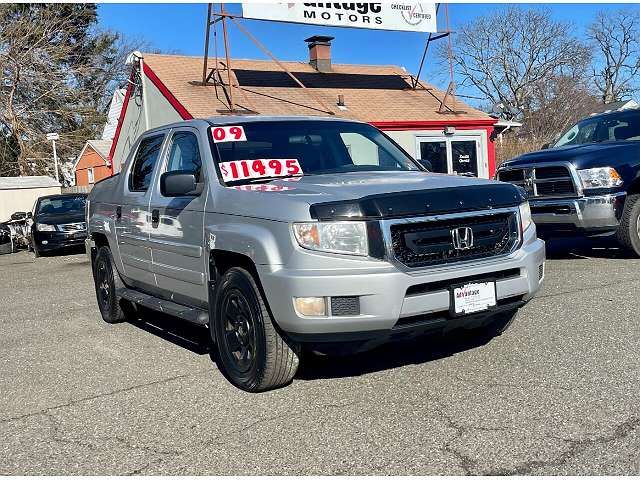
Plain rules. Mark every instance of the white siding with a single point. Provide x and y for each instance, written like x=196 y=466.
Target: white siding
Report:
x=160 y=111
x=22 y=199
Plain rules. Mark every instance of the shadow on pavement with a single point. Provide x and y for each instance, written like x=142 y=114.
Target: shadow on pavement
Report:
x=313 y=366
x=419 y=350
x=181 y=333
x=584 y=248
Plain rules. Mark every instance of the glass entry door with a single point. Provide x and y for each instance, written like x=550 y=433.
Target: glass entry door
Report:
x=435 y=151
x=464 y=157
x=458 y=155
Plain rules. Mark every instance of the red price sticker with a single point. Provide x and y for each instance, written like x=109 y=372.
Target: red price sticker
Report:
x=262 y=188
x=259 y=168
x=233 y=133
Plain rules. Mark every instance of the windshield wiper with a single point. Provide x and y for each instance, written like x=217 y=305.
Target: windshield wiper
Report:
x=247 y=181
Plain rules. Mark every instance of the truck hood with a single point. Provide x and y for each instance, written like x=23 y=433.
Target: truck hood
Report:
x=588 y=155
x=366 y=194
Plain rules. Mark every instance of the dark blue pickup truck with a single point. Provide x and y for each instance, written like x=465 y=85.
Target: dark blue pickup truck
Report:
x=588 y=182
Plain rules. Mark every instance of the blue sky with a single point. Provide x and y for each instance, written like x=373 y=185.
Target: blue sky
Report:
x=179 y=28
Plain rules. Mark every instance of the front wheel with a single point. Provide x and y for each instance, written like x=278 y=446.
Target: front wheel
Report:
x=252 y=354
x=628 y=233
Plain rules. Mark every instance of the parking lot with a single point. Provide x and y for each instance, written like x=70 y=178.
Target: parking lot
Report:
x=557 y=394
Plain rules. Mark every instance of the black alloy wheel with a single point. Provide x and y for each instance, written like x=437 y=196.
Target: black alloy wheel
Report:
x=107 y=281
x=251 y=352
x=239 y=331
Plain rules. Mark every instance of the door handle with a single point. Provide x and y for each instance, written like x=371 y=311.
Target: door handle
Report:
x=155 y=217
x=118 y=212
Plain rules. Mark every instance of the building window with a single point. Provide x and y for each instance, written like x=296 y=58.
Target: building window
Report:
x=90 y=175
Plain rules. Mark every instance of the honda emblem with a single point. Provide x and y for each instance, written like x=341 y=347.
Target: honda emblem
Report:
x=462 y=238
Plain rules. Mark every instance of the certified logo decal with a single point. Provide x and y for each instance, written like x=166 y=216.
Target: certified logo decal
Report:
x=412 y=13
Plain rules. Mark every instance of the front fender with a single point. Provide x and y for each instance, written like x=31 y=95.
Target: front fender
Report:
x=265 y=242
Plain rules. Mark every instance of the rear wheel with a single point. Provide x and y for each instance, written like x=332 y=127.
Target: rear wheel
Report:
x=628 y=233
x=252 y=354
x=107 y=281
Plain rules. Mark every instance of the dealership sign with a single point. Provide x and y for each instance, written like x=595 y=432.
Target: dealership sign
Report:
x=405 y=16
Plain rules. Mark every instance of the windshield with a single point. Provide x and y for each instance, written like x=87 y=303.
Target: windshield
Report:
x=289 y=148
x=56 y=205
x=621 y=126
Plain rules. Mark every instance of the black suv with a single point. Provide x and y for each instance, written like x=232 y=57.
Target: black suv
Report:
x=588 y=182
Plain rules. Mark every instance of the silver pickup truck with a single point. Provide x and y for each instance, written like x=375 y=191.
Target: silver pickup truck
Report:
x=279 y=233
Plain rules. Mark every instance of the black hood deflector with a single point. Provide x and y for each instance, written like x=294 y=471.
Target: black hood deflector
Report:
x=436 y=201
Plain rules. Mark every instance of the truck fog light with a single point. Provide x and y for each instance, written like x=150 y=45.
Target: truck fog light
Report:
x=311 y=306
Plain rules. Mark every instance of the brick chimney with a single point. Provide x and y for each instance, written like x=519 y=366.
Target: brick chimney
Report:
x=320 y=52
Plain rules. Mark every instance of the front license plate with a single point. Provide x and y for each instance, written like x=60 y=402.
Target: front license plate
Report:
x=474 y=297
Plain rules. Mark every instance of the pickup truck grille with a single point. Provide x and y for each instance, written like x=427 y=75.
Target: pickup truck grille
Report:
x=430 y=243
x=551 y=181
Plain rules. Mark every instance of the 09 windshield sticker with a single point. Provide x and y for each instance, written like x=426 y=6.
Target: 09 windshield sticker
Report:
x=231 y=133
x=259 y=168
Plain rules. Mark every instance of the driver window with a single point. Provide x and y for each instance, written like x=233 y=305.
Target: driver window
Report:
x=184 y=154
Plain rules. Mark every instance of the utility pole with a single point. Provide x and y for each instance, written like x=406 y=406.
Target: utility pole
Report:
x=53 y=137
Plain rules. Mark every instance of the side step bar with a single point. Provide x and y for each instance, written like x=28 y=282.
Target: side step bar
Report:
x=190 y=314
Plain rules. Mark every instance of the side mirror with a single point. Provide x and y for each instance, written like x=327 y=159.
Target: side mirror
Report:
x=426 y=164
x=29 y=215
x=545 y=146
x=179 y=183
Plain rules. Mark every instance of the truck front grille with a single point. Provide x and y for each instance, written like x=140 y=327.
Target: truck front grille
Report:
x=433 y=242
x=543 y=181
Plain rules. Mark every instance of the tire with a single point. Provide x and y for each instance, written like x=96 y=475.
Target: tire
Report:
x=107 y=281
x=252 y=355
x=628 y=233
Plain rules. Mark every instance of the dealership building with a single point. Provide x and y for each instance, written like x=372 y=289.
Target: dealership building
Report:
x=426 y=122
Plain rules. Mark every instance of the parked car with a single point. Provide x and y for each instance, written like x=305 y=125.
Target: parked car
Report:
x=6 y=239
x=588 y=183
x=280 y=233
x=58 y=222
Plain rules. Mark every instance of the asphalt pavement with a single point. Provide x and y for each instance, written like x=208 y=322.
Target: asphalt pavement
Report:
x=558 y=393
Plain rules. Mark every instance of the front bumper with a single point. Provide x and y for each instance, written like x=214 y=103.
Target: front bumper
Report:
x=49 y=241
x=596 y=214
x=391 y=298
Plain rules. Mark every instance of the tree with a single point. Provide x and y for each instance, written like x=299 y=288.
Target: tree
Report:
x=616 y=38
x=509 y=53
x=556 y=104
x=58 y=73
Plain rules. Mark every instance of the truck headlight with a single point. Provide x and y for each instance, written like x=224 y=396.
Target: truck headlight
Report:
x=43 y=227
x=603 y=177
x=525 y=216
x=333 y=237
